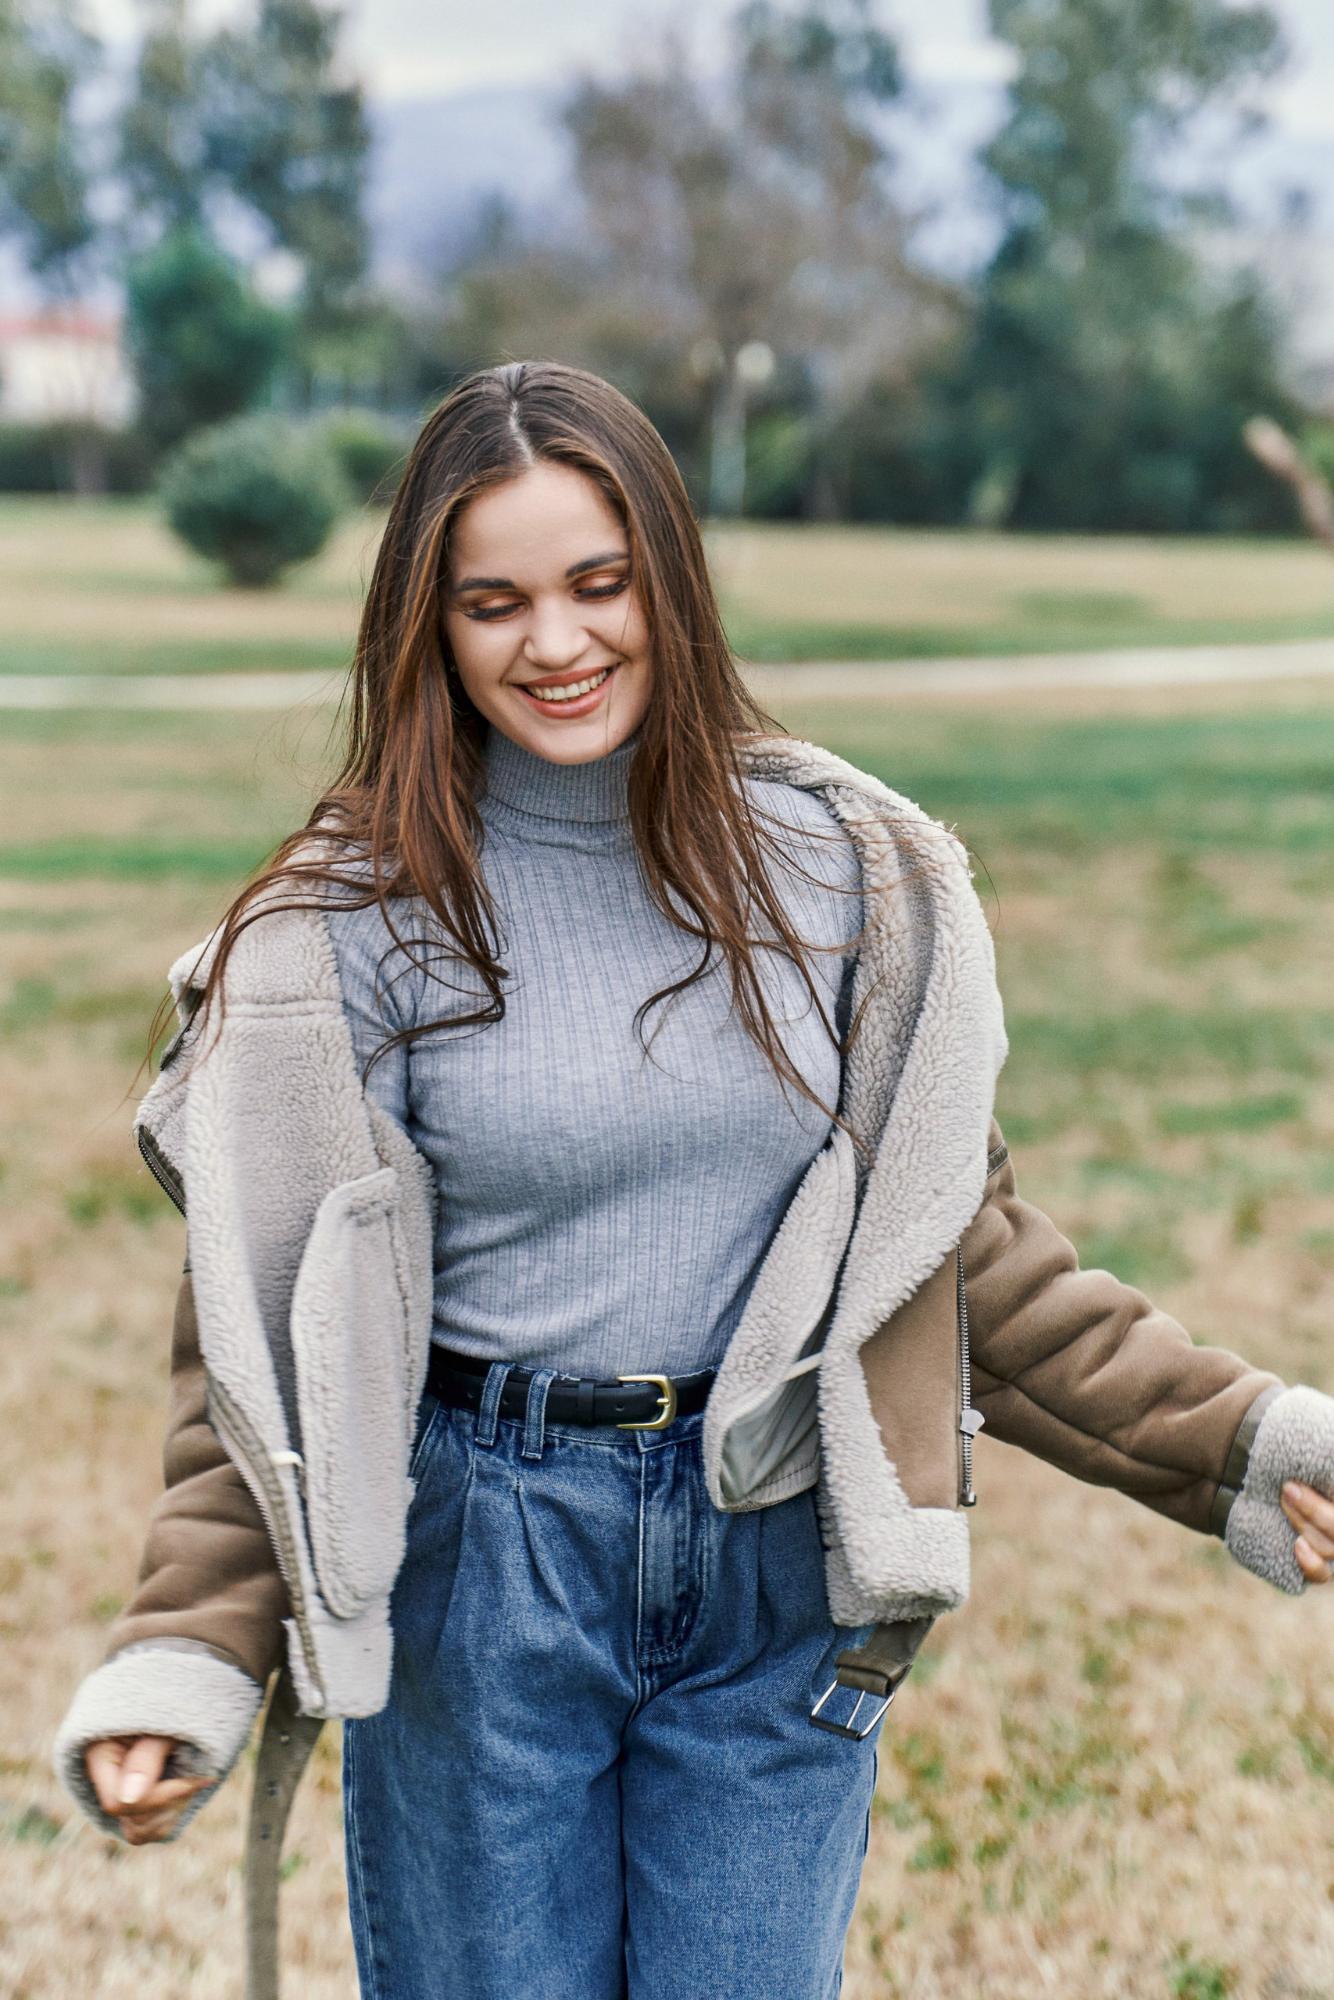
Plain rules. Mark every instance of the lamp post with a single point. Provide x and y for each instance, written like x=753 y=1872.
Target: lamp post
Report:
x=750 y=366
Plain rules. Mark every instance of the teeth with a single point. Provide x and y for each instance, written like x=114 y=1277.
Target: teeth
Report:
x=569 y=693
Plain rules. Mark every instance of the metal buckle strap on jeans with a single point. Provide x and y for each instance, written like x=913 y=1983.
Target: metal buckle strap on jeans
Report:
x=285 y=1744
x=879 y=1667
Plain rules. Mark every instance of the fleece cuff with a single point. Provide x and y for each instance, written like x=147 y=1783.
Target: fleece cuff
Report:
x=158 y=1687
x=1295 y=1440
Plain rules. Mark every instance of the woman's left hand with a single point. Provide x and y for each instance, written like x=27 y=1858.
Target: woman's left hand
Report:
x=1312 y=1515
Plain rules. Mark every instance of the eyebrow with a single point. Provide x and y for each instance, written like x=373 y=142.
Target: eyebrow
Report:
x=575 y=569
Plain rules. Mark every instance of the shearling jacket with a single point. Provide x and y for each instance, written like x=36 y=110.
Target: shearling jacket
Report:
x=909 y=1296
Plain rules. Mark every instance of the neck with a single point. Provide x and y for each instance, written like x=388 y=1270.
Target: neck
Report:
x=593 y=792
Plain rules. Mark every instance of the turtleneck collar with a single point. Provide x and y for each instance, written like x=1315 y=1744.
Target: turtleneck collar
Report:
x=590 y=794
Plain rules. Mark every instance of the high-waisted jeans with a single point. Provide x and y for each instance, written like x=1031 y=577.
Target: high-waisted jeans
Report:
x=595 y=1777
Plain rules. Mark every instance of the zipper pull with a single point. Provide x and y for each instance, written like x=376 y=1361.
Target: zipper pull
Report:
x=292 y=1458
x=971 y=1422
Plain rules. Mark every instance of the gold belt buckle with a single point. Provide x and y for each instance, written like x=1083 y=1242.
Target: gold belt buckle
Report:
x=667 y=1397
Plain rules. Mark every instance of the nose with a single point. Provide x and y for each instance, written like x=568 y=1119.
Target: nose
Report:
x=555 y=638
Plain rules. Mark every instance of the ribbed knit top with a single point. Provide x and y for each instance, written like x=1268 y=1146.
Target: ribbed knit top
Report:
x=601 y=1210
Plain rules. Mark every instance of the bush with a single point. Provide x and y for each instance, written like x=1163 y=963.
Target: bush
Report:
x=256 y=494
x=44 y=457
x=370 y=449
x=202 y=344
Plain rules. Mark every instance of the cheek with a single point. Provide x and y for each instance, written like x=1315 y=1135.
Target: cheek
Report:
x=625 y=630
x=480 y=650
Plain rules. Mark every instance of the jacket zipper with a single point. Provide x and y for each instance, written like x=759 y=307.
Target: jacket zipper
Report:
x=238 y=1434
x=166 y=1177
x=236 y=1431
x=970 y=1420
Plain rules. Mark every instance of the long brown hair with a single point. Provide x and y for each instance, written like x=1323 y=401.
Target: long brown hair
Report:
x=403 y=802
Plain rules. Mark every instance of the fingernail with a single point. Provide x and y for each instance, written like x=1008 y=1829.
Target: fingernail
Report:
x=133 y=1787
x=1293 y=1490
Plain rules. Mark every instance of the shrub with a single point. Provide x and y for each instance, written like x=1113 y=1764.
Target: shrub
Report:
x=256 y=494
x=45 y=457
x=370 y=449
x=202 y=344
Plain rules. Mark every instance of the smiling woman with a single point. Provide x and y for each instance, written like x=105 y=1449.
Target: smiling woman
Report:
x=581 y=1419
x=563 y=638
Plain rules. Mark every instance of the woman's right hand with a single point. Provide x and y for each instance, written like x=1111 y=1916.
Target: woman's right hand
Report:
x=126 y=1774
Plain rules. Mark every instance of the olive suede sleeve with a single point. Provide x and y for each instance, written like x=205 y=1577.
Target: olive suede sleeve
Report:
x=1083 y=1370
x=190 y=1655
x=207 y=1572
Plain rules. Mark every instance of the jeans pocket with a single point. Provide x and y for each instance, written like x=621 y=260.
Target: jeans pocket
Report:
x=430 y=1411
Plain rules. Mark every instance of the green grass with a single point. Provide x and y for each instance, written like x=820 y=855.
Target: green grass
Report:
x=227 y=861
x=1246 y=1114
x=1191 y=784
x=771 y=641
x=29 y=654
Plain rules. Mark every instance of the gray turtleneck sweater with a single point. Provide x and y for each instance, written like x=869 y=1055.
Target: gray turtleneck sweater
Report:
x=601 y=1211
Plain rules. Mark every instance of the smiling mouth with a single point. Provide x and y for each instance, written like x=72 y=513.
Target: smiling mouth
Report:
x=553 y=696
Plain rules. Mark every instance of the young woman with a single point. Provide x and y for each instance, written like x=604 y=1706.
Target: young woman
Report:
x=685 y=1420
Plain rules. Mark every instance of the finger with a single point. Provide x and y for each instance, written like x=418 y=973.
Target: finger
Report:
x=1322 y=1543
x=103 y=1760
x=168 y=1792
x=1317 y=1510
x=139 y=1832
x=1298 y=1513
x=1314 y=1566
x=142 y=1767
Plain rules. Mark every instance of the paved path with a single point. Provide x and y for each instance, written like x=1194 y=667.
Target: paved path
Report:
x=1163 y=666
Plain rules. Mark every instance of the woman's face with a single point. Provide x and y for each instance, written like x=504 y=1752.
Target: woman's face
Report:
x=539 y=597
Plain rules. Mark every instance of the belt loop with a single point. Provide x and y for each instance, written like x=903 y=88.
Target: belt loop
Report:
x=535 y=1413
x=492 y=1389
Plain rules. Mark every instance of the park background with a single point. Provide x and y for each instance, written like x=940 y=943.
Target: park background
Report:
x=956 y=328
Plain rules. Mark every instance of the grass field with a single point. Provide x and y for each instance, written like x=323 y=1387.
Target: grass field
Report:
x=1111 y=1775
x=103 y=588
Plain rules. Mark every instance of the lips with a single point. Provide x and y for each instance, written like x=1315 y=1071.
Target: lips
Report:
x=565 y=679
x=572 y=706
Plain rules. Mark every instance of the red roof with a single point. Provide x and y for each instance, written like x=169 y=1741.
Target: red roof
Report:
x=57 y=324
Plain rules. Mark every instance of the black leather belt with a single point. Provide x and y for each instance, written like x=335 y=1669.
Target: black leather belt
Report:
x=631 y=1402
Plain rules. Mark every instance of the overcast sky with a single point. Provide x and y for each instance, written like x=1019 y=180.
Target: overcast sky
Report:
x=419 y=48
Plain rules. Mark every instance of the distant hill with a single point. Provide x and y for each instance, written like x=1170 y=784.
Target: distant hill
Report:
x=434 y=156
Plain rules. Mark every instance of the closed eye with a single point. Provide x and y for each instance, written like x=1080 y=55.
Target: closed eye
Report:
x=489 y=613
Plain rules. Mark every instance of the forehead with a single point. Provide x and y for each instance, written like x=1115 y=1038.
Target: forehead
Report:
x=534 y=524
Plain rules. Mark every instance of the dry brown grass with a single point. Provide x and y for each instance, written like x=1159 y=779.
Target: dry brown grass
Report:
x=105 y=587
x=1112 y=1774
x=916 y=577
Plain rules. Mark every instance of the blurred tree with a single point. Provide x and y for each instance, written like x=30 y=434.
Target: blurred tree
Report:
x=1109 y=374
x=255 y=116
x=290 y=139
x=741 y=225
x=203 y=346
x=161 y=140
x=46 y=52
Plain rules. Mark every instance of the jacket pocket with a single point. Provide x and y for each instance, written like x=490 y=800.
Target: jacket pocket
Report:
x=348 y=1327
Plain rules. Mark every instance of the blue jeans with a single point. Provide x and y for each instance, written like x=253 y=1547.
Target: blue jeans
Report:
x=595 y=1777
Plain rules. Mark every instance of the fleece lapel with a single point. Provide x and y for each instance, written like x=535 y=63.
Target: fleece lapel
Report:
x=920 y=1086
